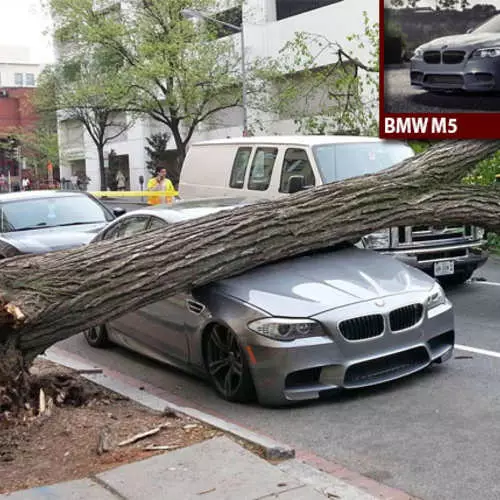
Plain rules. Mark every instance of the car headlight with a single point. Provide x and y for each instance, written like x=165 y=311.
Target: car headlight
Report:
x=487 y=52
x=418 y=54
x=436 y=297
x=379 y=239
x=286 y=328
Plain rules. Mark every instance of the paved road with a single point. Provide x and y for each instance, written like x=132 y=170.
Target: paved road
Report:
x=401 y=97
x=435 y=435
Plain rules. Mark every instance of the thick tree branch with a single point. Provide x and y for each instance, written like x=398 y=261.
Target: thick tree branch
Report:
x=47 y=298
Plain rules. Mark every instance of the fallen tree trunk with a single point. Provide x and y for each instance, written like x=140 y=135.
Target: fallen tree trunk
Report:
x=47 y=298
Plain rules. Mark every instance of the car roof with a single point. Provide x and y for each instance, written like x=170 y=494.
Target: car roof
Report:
x=300 y=140
x=191 y=209
x=34 y=195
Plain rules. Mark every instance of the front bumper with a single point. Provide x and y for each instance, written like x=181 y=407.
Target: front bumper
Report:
x=285 y=372
x=473 y=257
x=472 y=75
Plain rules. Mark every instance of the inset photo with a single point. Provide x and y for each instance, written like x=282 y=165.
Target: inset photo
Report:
x=441 y=56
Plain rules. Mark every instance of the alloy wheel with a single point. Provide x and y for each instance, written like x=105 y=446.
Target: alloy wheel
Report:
x=225 y=362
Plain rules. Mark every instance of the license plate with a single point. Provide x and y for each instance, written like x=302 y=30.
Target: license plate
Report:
x=444 y=268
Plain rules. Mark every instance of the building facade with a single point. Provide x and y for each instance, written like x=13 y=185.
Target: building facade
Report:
x=18 y=76
x=268 y=26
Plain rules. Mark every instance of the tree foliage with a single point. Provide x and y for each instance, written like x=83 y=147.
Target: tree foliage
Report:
x=160 y=157
x=156 y=149
x=170 y=69
x=336 y=99
x=86 y=89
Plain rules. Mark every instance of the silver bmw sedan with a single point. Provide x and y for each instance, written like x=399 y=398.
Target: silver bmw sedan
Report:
x=468 y=62
x=289 y=331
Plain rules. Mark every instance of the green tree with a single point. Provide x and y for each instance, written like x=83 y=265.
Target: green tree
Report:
x=170 y=69
x=405 y=3
x=339 y=98
x=87 y=90
x=447 y=4
x=159 y=156
x=156 y=150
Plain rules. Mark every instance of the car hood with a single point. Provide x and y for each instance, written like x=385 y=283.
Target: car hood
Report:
x=52 y=238
x=469 y=41
x=309 y=285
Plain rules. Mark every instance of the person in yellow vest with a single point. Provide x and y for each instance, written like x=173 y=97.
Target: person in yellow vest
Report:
x=161 y=184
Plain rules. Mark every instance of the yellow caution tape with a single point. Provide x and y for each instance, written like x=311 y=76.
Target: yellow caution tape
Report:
x=126 y=194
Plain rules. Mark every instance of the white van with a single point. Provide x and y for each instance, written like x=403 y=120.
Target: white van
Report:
x=271 y=167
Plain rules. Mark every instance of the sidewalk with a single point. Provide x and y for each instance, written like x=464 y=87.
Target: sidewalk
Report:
x=217 y=469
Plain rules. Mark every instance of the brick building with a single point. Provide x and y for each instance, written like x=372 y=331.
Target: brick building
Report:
x=17 y=82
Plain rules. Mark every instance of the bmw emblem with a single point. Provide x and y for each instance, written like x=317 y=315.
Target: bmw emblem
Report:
x=379 y=303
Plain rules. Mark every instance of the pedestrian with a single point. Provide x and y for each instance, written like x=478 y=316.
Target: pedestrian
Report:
x=159 y=183
x=25 y=183
x=120 y=181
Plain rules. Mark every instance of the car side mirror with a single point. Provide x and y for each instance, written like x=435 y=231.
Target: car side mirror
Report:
x=117 y=211
x=296 y=183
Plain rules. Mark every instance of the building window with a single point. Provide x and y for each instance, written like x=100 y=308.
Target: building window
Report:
x=288 y=8
x=29 y=79
x=18 y=79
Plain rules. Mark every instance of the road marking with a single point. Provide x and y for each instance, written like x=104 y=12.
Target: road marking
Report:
x=476 y=350
x=492 y=283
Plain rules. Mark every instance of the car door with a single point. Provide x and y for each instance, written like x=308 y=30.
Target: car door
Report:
x=129 y=324
x=161 y=324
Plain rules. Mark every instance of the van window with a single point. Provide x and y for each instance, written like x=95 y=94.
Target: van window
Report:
x=337 y=162
x=262 y=168
x=296 y=162
x=240 y=168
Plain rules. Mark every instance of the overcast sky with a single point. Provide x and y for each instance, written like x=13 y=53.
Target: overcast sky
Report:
x=22 y=22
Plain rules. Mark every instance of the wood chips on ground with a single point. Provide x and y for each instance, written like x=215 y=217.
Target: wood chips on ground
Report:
x=62 y=446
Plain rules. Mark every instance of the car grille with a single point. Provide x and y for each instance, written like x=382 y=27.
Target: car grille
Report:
x=432 y=57
x=386 y=368
x=433 y=234
x=364 y=327
x=453 y=56
x=405 y=317
x=449 y=80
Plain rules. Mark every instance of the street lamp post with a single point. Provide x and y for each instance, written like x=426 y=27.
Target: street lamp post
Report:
x=192 y=13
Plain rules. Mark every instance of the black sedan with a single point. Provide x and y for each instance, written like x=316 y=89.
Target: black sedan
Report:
x=44 y=221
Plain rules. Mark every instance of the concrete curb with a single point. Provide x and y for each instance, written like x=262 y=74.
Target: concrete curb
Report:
x=272 y=449
x=299 y=459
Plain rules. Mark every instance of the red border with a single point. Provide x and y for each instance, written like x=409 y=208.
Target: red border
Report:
x=481 y=125
x=381 y=66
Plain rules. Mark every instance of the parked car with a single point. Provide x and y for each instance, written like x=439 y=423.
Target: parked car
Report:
x=468 y=62
x=43 y=221
x=292 y=330
x=272 y=167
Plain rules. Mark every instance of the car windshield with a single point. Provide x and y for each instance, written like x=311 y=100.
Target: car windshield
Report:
x=490 y=26
x=22 y=215
x=342 y=161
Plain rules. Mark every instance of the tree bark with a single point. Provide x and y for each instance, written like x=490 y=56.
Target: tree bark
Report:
x=47 y=298
x=102 y=168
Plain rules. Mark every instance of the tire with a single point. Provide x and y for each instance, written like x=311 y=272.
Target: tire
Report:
x=456 y=279
x=97 y=336
x=227 y=365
